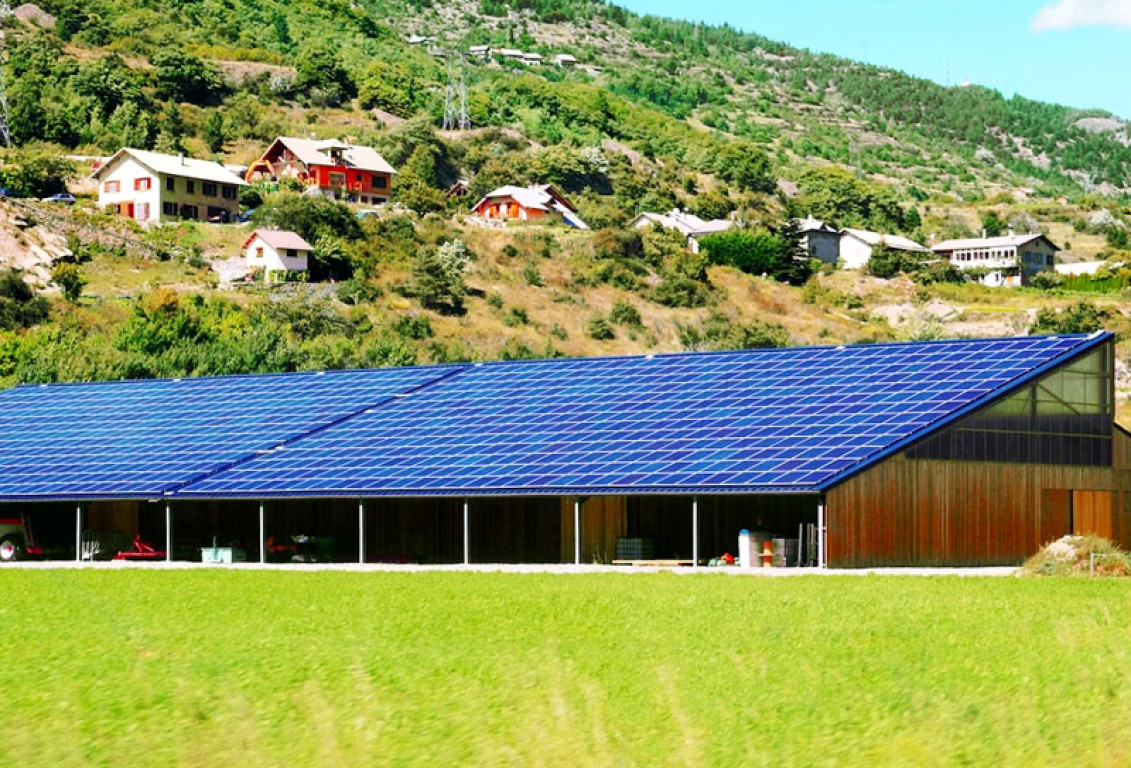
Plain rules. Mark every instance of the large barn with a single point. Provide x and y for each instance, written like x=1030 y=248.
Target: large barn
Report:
x=959 y=453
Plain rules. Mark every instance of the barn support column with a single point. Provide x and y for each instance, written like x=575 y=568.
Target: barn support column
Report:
x=466 y=535
x=78 y=532
x=361 y=531
x=262 y=537
x=694 y=531
x=821 y=563
x=577 y=531
x=168 y=532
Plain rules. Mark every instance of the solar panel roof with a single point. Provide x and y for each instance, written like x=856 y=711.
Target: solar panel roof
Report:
x=132 y=439
x=785 y=420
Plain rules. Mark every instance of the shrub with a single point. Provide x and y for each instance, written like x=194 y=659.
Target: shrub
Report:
x=69 y=279
x=516 y=316
x=1081 y=317
x=413 y=327
x=719 y=332
x=20 y=306
x=623 y=313
x=531 y=274
x=599 y=328
x=758 y=252
x=1046 y=280
x=675 y=290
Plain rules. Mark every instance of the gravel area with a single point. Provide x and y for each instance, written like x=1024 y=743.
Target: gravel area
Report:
x=509 y=568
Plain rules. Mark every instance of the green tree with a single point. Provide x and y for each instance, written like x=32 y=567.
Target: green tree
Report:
x=70 y=280
x=214 y=132
x=322 y=77
x=181 y=76
x=993 y=224
x=311 y=217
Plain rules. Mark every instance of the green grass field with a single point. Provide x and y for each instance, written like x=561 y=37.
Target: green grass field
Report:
x=439 y=669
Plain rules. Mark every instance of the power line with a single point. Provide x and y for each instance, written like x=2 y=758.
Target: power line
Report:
x=456 y=114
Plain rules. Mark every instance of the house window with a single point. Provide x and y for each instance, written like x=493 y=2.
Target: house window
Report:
x=189 y=212
x=141 y=212
x=169 y=209
x=380 y=182
x=142 y=185
x=170 y=184
x=259 y=252
x=190 y=186
x=112 y=186
x=228 y=192
x=208 y=189
x=359 y=178
x=292 y=253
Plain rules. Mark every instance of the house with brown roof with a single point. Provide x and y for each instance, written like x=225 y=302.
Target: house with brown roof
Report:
x=335 y=169
x=275 y=251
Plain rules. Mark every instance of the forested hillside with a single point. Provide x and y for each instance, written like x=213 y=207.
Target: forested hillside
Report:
x=658 y=114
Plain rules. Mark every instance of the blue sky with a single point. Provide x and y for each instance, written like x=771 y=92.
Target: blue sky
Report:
x=1074 y=52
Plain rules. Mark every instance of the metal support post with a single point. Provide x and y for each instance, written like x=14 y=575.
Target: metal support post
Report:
x=78 y=532
x=262 y=537
x=821 y=534
x=168 y=532
x=694 y=531
x=361 y=531
x=577 y=531
x=466 y=534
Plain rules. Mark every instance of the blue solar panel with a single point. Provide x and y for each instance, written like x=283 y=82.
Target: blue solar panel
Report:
x=784 y=420
x=136 y=439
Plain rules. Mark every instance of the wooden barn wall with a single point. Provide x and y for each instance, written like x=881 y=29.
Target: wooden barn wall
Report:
x=924 y=512
x=516 y=530
x=420 y=531
x=603 y=521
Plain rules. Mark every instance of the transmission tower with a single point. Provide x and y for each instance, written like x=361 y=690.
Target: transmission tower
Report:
x=455 y=94
x=5 y=124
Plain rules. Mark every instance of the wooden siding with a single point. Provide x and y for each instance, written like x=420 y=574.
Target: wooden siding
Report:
x=906 y=512
x=603 y=521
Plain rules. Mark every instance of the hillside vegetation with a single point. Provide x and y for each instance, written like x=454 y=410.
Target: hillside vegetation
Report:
x=663 y=114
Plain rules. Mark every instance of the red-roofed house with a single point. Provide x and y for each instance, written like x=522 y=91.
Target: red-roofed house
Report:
x=333 y=168
x=276 y=250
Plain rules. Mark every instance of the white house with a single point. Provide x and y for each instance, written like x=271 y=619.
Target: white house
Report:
x=1008 y=260
x=690 y=226
x=566 y=60
x=151 y=188
x=820 y=240
x=532 y=59
x=276 y=250
x=511 y=53
x=479 y=51
x=856 y=246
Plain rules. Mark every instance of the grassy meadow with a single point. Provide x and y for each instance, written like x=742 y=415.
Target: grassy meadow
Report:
x=265 y=668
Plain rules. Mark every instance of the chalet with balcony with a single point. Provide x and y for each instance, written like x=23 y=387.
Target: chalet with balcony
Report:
x=1010 y=260
x=332 y=168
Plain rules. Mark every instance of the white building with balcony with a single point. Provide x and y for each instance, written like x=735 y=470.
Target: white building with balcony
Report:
x=1010 y=260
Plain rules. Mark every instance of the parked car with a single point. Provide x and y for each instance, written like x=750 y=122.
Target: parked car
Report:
x=63 y=197
x=245 y=217
x=367 y=212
